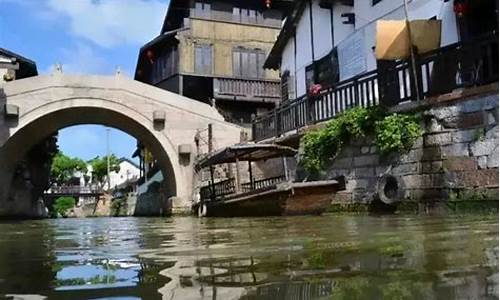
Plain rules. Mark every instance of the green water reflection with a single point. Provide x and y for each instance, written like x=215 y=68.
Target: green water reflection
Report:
x=327 y=257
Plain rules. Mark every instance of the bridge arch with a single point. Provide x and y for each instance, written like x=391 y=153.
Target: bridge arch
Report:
x=45 y=104
x=41 y=122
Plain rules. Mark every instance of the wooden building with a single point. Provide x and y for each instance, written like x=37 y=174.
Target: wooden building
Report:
x=214 y=52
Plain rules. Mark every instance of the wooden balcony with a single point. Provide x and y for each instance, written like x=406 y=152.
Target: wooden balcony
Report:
x=459 y=65
x=253 y=90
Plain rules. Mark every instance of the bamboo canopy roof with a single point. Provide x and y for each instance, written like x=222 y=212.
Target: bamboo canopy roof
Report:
x=245 y=152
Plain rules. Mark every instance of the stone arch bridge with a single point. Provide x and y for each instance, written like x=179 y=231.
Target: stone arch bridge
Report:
x=33 y=109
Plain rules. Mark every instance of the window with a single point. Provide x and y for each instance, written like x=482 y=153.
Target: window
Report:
x=324 y=71
x=375 y=2
x=203 y=59
x=287 y=86
x=248 y=63
x=165 y=65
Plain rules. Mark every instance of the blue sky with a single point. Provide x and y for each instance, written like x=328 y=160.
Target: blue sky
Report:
x=86 y=37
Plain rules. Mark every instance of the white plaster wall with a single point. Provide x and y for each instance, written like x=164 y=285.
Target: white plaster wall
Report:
x=366 y=17
x=340 y=30
x=288 y=62
x=304 y=50
x=322 y=30
x=127 y=171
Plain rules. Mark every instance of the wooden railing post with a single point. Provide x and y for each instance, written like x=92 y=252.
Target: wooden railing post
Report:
x=276 y=122
x=355 y=85
x=254 y=127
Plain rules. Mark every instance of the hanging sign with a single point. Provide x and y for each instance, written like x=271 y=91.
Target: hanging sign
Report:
x=352 y=56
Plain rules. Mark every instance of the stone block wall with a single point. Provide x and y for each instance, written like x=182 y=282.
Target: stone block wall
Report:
x=455 y=159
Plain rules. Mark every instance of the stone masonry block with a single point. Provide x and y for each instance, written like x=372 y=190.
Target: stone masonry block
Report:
x=484 y=147
x=437 y=139
x=492 y=133
x=460 y=149
x=493 y=159
x=343 y=163
x=432 y=167
x=366 y=160
x=364 y=172
x=365 y=150
x=465 y=136
x=423 y=181
x=482 y=162
x=459 y=164
x=404 y=169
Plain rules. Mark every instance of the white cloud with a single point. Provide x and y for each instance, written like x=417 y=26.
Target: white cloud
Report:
x=109 y=23
x=82 y=59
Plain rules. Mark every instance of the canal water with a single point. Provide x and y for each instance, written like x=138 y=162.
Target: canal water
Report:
x=325 y=257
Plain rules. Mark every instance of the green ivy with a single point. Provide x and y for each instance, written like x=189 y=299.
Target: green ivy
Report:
x=395 y=132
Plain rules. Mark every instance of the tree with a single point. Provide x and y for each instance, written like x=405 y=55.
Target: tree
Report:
x=64 y=168
x=100 y=168
x=62 y=205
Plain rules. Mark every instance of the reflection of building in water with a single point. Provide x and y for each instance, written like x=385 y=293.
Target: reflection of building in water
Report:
x=294 y=290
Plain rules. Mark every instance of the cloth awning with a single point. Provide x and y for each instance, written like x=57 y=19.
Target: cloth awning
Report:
x=245 y=152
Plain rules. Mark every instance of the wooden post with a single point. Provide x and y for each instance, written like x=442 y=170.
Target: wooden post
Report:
x=238 y=179
x=210 y=149
x=412 y=53
x=251 y=174
x=285 y=167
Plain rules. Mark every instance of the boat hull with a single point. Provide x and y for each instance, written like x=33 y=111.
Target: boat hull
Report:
x=289 y=199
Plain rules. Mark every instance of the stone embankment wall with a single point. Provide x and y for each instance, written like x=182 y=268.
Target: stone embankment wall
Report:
x=456 y=159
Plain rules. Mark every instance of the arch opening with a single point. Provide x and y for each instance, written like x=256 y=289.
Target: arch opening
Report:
x=37 y=129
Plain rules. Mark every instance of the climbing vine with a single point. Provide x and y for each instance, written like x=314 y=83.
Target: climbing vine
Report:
x=395 y=132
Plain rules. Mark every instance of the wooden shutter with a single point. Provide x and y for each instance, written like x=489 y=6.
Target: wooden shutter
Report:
x=236 y=62
x=252 y=62
x=198 y=59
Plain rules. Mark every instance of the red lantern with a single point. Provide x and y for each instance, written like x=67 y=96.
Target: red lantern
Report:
x=268 y=3
x=461 y=8
x=150 y=55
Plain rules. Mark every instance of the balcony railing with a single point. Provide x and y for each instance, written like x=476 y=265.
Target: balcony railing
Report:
x=247 y=89
x=228 y=187
x=459 y=65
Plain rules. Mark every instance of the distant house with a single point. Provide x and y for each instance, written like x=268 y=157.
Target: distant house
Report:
x=14 y=66
x=214 y=52
x=327 y=41
x=129 y=171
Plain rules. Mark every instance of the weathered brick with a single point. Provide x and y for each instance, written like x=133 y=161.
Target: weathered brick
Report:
x=365 y=150
x=423 y=181
x=459 y=149
x=437 y=139
x=432 y=167
x=431 y=153
x=373 y=149
x=484 y=147
x=404 y=169
x=364 y=172
x=342 y=197
x=476 y=178
x=382 y=170
x=471 y=120
x=366 y=160
x=459 y=164
x=353 y=184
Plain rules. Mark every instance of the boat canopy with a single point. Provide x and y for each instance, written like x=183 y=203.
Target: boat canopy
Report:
x=245 y=152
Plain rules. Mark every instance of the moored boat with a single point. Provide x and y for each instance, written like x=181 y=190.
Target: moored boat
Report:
x=276 y=196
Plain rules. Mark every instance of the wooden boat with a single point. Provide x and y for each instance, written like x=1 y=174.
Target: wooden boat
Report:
x=276 y=196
